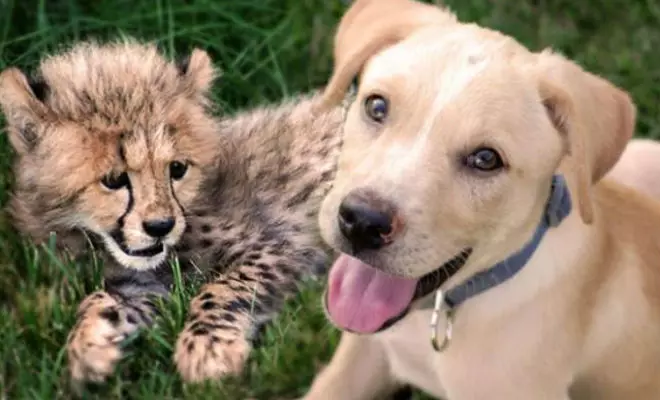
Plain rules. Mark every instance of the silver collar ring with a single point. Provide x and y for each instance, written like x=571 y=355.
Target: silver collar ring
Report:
x=441 y=308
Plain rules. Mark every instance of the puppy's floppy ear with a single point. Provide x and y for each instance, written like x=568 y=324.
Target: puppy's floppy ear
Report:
x=22 y=103
x=197 y=70
x=367 y=28
x=597 y=118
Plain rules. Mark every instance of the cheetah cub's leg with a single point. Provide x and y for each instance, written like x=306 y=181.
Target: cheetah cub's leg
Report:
x=225 y=315
x=105 y=319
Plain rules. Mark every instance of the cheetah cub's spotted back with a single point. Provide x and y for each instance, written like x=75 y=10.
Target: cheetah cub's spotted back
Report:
x=117 y=144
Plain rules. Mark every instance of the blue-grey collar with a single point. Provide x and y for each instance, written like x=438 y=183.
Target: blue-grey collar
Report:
x=557 y=208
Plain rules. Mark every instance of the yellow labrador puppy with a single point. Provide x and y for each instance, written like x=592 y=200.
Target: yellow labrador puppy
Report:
x=639 y=166
x=470 y=198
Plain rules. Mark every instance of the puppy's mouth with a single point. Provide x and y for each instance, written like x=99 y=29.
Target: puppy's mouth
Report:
x=364 y=299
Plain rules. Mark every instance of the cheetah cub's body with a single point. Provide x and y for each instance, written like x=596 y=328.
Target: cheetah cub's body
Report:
x=116 y=144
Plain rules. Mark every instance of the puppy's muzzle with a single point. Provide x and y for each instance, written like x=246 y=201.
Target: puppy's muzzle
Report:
x=367 y=220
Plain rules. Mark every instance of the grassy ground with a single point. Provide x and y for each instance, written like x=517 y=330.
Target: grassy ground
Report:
x=268 y=49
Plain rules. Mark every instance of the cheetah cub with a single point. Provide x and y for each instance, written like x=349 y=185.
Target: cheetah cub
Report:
x=117 y=146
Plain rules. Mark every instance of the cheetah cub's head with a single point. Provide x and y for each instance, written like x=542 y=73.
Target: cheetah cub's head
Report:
x=113 y=140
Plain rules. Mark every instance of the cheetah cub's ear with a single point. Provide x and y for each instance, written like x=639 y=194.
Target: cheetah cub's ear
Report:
x=22 y=103
x=197 y=71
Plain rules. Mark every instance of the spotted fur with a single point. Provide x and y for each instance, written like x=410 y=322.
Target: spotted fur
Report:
x=244 y=211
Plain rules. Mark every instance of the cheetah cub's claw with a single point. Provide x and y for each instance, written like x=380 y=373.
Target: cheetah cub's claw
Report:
x=94 y=344
x=201 y=357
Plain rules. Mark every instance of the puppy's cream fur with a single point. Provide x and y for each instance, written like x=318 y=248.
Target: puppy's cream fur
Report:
x=639 y=167
x=582 y=319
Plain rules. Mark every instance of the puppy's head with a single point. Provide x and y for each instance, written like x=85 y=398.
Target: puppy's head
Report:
x=449 y=151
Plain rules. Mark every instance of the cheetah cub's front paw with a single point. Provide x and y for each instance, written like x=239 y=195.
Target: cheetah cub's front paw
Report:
x=93 y=346
x=201 y=355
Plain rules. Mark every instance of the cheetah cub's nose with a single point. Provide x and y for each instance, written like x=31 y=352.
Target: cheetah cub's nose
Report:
x=158 y=228
x=368 y=220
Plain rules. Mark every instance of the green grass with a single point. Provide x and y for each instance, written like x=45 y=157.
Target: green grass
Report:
x=268 y=49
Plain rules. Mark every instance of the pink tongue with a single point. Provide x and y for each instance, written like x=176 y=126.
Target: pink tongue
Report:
x=362 y=299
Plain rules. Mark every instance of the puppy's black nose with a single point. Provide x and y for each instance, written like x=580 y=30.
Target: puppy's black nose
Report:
x=367 y=220
x=158 y=228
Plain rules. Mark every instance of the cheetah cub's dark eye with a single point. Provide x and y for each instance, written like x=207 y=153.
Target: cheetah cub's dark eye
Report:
x=484 y=159
x=178 y=170
x=376 y=108
x=114 y=181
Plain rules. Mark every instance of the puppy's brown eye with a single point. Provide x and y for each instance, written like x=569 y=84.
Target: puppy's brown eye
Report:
x=178 y=170
x=114 y=181
x=376 y=107
x=484 y=159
